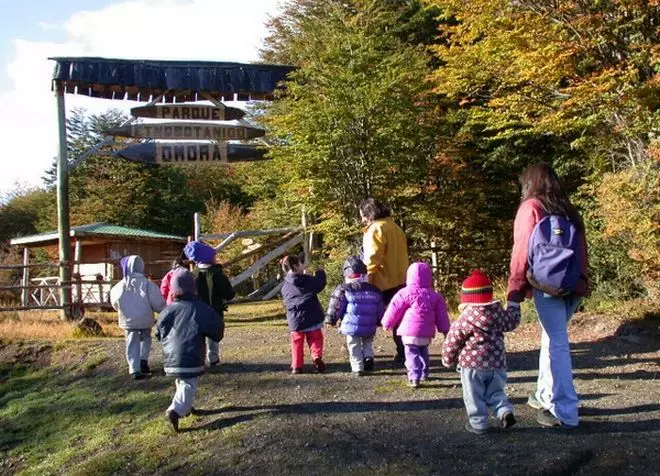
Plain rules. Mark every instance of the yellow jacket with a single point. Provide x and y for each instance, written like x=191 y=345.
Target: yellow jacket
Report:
x=385 y=254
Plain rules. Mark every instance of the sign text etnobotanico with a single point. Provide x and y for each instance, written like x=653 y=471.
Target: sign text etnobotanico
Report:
x=190 y=153
x=188 y=131
x=192 y=112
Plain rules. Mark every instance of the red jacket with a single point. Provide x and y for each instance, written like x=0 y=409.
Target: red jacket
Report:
x=529 y=214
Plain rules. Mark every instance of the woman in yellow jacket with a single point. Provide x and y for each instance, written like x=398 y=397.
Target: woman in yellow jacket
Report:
x=385 y=254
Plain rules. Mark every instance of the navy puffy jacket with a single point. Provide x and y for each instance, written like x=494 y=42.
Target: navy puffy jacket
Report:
x=360 y=307
x=303 y=309
x=181 y=329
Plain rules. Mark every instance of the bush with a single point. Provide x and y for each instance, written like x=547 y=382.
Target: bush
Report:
x=623 y=227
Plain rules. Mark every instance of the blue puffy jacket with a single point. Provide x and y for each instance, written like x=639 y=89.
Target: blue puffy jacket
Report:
x=181 y=329
x=359 y=305
x=303 y=309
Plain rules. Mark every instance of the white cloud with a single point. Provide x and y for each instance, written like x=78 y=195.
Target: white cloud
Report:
x=218 y=30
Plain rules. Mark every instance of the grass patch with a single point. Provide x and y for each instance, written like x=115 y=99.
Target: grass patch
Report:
x=390 y=386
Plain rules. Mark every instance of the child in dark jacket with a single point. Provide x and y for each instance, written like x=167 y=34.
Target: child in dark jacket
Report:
x=213 y=288
x=476 y=343
x=303 y=312
x=359 y=307
x=181 y=329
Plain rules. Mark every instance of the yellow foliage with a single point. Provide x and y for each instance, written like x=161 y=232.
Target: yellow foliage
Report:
x=629 y=204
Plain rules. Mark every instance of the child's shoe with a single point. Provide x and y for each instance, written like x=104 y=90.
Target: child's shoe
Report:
x=369 y=364
x=138 y=376
x=533 y=402
x=548 y=420
x=507 y=420
x=413 y=383
x=144 y=367
x=173 y=418
x=358 y=373
x=296 y=371
x=476 y=431
x=319 y=364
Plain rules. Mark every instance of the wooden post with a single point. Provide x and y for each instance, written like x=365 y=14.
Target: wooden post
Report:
x=306 y=253
x=77 y=254
x=198 y=226
x=434 y=263
x=63 y=224
x=25 y=292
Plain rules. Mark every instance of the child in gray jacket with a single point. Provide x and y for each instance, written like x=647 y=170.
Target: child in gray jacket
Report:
x=136 y=299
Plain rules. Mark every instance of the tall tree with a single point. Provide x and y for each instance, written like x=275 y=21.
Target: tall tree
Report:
x=353 y=121
x=581 y=71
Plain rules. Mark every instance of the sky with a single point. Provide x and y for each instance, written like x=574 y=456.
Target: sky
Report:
x=33 y=30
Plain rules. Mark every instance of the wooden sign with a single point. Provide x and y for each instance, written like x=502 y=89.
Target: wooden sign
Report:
x=188 y=131
x=193 y=112
x=191 y=153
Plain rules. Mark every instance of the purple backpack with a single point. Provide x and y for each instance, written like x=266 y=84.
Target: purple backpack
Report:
x=553 y=256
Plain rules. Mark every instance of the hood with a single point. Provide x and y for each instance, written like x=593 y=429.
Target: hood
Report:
x=419 y=275
x=183 y=283
x=132 y=264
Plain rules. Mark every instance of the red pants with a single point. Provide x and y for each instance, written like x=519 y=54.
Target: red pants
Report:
x=314 y=341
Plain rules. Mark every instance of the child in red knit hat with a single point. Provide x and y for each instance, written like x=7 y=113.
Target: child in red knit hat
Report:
x=476 y=343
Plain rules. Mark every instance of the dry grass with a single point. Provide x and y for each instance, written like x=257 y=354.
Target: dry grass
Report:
x=46 y=325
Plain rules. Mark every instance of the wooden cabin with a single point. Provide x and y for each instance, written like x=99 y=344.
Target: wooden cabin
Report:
x=97 y=249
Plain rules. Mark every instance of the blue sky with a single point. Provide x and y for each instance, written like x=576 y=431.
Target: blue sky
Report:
x=33 y=30
x=33 y=19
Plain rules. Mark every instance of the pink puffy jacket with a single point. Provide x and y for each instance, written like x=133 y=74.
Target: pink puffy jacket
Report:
x=417 y=310
x=166 y=289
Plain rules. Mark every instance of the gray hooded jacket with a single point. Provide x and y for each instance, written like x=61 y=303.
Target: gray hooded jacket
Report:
x=135 y=297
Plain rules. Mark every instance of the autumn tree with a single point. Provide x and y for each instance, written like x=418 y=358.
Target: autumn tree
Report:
x=353 y=121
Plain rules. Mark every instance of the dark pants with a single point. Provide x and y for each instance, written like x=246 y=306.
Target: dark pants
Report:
x=388 y=294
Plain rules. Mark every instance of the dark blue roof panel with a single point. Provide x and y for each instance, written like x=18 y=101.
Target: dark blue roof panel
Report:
x=175 y=80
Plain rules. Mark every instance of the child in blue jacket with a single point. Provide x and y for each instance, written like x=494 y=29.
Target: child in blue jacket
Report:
x=359 y=306
x=303 y=312
x=182 y=330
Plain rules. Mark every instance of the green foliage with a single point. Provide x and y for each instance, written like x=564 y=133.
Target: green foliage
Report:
x=27 y=211
x=353 y=120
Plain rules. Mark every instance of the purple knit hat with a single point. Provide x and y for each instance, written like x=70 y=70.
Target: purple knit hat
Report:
x=199 y=252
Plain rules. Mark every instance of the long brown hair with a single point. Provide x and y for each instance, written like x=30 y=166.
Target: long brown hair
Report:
x=540 y=181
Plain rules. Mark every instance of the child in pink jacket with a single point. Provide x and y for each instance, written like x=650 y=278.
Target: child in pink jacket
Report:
x=417 y=310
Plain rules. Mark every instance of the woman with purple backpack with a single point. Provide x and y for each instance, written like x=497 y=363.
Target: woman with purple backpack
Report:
x=549 y=264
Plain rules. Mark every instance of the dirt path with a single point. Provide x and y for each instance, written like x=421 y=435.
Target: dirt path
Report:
x=259 y=419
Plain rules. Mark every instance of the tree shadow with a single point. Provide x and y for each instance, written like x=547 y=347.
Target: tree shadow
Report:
x=255 y=320
x=651 y=407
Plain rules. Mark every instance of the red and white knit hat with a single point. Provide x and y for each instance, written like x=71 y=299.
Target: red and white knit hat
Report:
x=477 y=289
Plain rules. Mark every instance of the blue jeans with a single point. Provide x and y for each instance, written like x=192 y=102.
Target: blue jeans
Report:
x=555 y=389
x=484 y=389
